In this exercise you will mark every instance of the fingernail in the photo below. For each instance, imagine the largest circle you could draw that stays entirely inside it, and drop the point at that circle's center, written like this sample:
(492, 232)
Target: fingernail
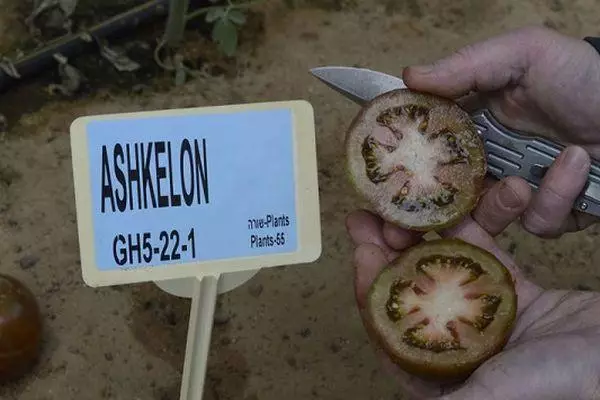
(575, 158)
(508, 197)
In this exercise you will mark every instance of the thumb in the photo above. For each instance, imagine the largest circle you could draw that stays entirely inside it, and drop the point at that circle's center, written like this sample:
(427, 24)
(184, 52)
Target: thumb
(486, 66)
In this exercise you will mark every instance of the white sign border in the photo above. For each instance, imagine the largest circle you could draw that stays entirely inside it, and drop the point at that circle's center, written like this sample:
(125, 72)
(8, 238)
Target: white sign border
(307, 200)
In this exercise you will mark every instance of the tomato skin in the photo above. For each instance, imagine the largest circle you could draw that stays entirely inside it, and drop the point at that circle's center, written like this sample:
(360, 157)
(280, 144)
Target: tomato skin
(423, 363)
(445, 115)
(20, 329)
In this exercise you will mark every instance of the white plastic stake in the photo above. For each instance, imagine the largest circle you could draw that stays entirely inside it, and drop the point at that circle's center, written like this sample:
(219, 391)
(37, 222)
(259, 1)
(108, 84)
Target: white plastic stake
(199, 336)
(184, 198)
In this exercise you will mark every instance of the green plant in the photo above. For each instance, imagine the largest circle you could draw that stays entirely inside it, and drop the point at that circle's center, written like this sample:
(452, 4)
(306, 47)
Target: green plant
(226, 19)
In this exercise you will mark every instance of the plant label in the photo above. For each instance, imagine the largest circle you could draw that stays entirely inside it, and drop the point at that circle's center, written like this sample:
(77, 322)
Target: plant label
(194, 192)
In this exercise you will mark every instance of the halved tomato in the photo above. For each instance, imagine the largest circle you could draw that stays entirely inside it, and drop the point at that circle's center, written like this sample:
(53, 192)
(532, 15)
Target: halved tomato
(417, 158)
(442, 308)
(20, 329)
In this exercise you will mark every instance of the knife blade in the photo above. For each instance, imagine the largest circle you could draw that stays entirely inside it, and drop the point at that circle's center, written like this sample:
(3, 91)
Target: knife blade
(509, 152)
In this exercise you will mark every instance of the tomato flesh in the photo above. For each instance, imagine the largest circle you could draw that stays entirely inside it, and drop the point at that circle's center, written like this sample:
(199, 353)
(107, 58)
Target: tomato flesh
(417, 158)
(442, 308)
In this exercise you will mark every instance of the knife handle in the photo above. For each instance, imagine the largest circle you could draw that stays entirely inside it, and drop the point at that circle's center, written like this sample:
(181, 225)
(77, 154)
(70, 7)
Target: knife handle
(512, 153)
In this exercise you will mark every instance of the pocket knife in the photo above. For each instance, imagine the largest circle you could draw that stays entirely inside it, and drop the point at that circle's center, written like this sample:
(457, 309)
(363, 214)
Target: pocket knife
(509, 152)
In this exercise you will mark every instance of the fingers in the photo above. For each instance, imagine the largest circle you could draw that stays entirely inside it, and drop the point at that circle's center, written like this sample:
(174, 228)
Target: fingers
(549, 212)
(484, 66)
(503, 203)
(369, 260)
(399, 239)
(471, 231)
(367, 228)
(376, 244)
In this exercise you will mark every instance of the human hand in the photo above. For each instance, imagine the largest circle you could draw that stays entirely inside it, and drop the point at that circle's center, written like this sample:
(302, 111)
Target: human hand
(554, 350)
(539, 81)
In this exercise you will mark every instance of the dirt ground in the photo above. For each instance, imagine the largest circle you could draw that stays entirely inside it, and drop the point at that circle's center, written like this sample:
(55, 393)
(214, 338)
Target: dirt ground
(290, 331)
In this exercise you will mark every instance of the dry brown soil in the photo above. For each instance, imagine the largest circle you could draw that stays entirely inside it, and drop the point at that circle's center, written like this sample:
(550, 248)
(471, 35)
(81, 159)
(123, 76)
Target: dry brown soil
(291, 332)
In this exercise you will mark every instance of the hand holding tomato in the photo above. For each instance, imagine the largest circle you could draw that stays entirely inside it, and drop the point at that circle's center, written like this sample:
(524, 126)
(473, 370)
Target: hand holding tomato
(535, 80)
(554, 350)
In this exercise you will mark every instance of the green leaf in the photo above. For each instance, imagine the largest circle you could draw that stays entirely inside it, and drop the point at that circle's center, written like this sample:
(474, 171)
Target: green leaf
(225, 34)
(214, 14)
(237, 17)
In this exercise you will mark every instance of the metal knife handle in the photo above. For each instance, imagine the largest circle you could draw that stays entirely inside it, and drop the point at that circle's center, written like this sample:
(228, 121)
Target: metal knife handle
(511, 153)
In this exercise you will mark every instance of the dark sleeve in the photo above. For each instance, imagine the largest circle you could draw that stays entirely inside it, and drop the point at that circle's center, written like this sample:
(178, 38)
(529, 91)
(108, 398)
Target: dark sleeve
(594, 41)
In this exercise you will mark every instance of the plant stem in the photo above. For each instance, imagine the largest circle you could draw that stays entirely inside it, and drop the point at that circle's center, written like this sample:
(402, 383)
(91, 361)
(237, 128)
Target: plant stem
(204, 10)
(176, 22)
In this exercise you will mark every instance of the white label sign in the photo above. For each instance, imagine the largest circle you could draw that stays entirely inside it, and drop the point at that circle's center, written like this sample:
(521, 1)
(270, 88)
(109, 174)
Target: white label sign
(179, 193)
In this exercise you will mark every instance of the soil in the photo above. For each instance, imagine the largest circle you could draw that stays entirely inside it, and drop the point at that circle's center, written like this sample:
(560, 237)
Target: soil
(291, 331)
